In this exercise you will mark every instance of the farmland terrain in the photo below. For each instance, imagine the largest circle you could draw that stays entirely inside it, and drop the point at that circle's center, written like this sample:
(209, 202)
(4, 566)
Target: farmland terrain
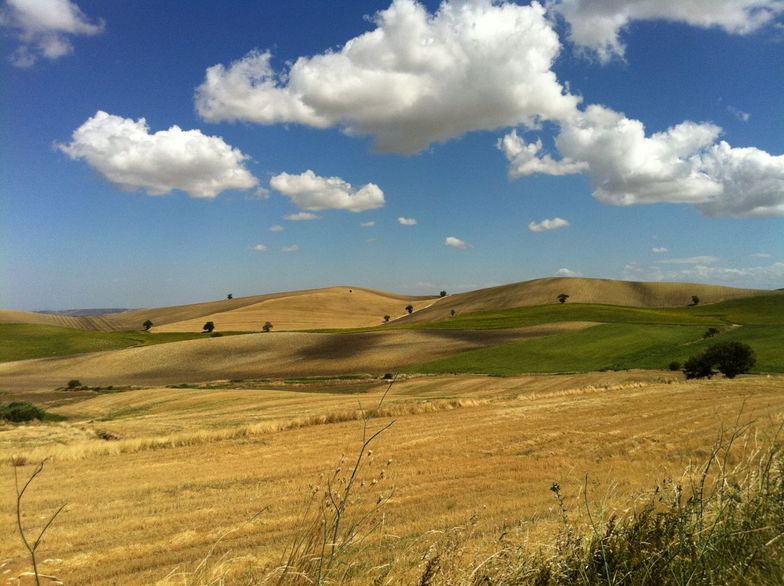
(173, 439)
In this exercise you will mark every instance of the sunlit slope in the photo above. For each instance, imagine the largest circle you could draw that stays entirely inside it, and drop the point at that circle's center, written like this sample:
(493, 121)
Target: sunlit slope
(603, 291)
(276, 354)
(335, 307)
(307, 309)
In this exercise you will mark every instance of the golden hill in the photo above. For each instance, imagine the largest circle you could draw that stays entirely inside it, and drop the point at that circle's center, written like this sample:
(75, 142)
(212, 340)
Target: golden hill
(336, 307)
(353, 307)
(580, 290)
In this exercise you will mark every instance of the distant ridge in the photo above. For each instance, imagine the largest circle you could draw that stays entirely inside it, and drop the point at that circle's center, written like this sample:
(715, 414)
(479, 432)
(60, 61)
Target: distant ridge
(82, 312)
(352, 307)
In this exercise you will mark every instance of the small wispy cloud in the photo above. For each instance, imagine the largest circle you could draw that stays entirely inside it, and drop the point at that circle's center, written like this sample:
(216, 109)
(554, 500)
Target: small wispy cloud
(691, 260)
(406, 221)
(277, 228)
(564, 272)
(761, 255)
(739, 114)
(291, 248)
(369, 224)
(262, 192)
(260, 248)
(301, 216)
(456, 242)
(548, 224)
(660, 249)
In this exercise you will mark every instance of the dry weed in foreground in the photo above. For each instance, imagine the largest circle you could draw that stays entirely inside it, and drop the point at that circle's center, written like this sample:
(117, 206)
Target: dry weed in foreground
(729, 530)
(32, 548)
(322, 551)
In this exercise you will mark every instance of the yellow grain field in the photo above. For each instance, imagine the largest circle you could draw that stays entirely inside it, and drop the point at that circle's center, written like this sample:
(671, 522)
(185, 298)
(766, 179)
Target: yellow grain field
(158, 478)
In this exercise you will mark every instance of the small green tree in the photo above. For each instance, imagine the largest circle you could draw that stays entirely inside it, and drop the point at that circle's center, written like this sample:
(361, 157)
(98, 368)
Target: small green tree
(208, 327)
(442, 294)
(732, 358)
(694, 300)
(698, 366)
(229, 296)
(410, 308)
(562, 297)
(147, 325)
(74, 384)
(710, 332)
(386, 319)
(452, 312)
(266, 327)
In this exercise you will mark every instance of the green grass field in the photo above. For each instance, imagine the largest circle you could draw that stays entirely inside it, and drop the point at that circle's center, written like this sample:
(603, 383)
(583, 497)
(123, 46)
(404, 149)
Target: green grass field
(764, 310)
(609, 347)
(24, 341)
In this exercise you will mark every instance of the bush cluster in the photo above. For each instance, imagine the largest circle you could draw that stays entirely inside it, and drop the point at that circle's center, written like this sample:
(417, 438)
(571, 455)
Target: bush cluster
(21, 411)
(729, 358)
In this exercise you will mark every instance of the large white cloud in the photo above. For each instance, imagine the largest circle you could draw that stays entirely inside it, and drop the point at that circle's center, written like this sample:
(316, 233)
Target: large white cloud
(43, 28)
(684, 164)
(310, 192)
(597, 24)
(129, 156)
(415, 79)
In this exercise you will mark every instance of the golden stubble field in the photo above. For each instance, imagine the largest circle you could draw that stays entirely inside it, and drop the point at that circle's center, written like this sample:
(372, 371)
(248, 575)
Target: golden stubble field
(189, 466)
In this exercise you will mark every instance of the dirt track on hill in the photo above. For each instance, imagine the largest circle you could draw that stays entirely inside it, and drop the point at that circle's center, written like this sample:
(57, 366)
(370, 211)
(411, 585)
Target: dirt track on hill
(282, 354)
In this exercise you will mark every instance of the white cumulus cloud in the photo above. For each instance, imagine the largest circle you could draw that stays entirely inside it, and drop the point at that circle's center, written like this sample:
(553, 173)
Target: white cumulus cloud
(596, 25)
(415, 79)
(310, 192)
(260, 248)
(684, 164)
(44, 27)
(301, 216)
(129, 156)
(455, 242)
(524, 158)
(406, 221)
(548, 224)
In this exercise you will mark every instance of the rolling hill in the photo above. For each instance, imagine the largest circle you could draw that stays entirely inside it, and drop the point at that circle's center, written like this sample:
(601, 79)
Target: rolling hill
(580, 290)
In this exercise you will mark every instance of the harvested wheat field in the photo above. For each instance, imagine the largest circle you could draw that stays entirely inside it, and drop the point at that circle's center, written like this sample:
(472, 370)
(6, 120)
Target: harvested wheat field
(336, 307)
(273, 354)
(158, 480)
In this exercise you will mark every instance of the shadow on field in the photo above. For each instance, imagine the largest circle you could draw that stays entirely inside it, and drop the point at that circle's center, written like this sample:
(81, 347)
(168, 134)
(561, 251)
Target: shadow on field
(339, 347)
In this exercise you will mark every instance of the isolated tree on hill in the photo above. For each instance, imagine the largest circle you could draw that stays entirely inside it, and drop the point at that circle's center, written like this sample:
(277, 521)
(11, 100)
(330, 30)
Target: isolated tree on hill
(229, 296)
(410, 308)
(442, 294)
(562, 297)
(147, 325)
(386, 318)
(452, 312)
(208, 327)
(267, 326)
(694, 300)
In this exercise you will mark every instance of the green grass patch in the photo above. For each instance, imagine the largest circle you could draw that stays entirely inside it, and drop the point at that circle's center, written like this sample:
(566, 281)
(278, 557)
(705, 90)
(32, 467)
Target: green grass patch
(25, 341)
(608, 347)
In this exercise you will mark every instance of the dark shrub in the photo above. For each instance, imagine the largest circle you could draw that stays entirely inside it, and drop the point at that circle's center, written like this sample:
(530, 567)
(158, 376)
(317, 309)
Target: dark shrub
(710, 332)
(74, 384)
(729, 358)
(675, 365)
(19, 411)
(208, 327)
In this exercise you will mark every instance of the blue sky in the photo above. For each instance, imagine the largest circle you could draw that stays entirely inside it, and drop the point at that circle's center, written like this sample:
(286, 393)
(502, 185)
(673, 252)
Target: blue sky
(610, 140)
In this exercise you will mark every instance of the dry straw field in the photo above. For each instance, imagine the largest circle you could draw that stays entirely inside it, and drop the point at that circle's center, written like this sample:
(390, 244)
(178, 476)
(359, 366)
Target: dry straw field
(156, 479)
